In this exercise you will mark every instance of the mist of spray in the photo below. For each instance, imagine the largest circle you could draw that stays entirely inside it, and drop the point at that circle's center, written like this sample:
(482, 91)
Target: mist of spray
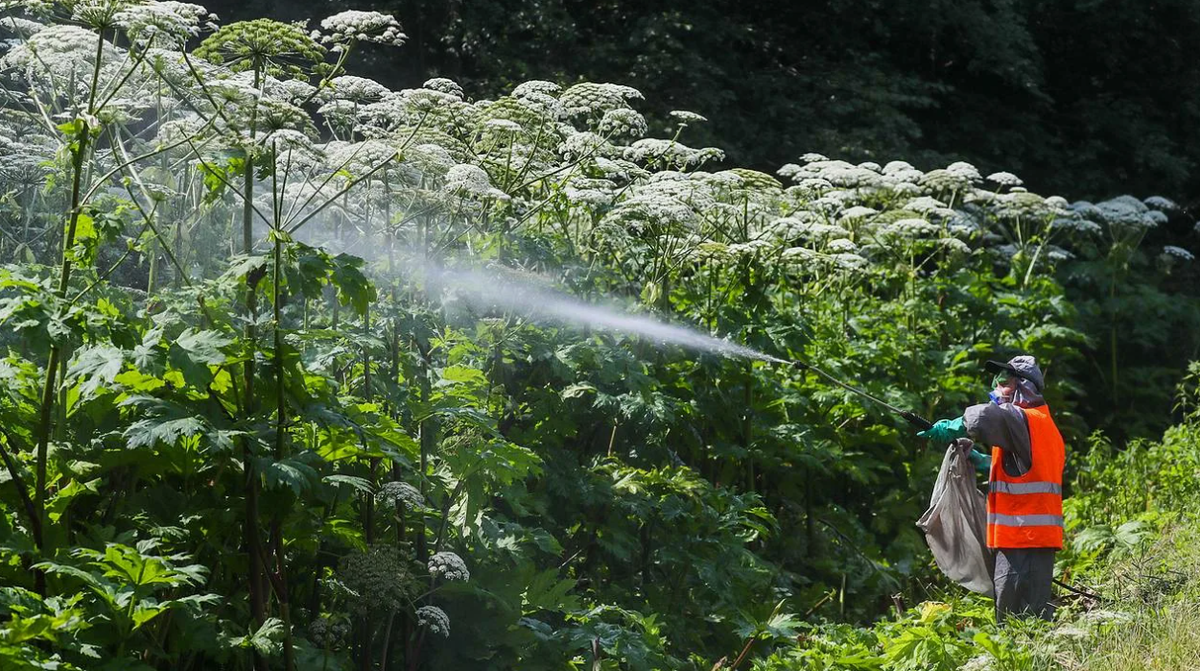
(510, 291)
(534, 297)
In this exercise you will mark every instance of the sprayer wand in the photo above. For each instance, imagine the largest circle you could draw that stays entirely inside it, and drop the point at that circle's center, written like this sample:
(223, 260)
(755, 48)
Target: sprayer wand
(912, 417)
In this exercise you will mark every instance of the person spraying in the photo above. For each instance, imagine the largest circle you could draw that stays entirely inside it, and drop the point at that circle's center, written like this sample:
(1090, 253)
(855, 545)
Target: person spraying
(1025, 466)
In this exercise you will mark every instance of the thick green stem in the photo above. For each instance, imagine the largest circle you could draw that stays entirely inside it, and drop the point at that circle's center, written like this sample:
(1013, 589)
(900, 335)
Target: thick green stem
(46, 412)
(258, 601)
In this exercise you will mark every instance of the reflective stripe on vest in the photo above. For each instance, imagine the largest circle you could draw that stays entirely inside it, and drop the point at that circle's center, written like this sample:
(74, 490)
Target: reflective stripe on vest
(1026, 520)
(1026, 487)
(1025, 511)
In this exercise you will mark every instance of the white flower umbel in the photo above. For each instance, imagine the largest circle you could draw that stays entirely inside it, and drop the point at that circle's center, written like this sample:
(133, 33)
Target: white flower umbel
(21, 26)
(1178, 252)
(429, 158)
(59, 57)
(812, 187)
(430, 100)
(536, 86)
(851, 176)
(1005, 179)
(294, 91)
(954, 245)
(671, 153)
(841, 246)
(588, 98)
(393, 493)
(380, 119)
(792, 228)
(938, 181)
(1126, 211)
(358, 158)
(1077, 224)
(858, 212)
(749, 248)
(849, 261)
(359, 26)
(789, 170)
(1056, 253)
(686, 117)
(925, 205)
(340, 115)
(164, 23)
(502, 126)
(912, 228)
(449, 566)
(543, 104)
(623, 122)
(1161, 203)
(356, 89)
(964, 170)
(579, 145)
(652, 210)
(587, 191)
(618, 169)
(447, 86)
(434, 619)
(471, 180)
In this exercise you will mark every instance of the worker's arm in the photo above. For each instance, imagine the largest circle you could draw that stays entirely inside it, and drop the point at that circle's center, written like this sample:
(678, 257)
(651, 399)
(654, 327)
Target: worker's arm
(982, 462)
(1003, 426)
(945, 430)
(966, 446)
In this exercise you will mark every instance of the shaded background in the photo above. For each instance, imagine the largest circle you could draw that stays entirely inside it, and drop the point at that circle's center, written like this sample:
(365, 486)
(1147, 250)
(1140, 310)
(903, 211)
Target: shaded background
(1087, 98)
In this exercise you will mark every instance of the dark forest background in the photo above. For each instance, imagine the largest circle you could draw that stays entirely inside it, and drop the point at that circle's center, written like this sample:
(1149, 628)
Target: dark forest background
(1088, 98)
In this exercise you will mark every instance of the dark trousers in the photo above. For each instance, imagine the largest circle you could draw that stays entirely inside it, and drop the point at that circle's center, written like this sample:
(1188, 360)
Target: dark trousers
(1023, 581)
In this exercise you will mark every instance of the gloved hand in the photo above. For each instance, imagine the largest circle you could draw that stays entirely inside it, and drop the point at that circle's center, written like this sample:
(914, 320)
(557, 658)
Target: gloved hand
(983, 462)
(945, 430)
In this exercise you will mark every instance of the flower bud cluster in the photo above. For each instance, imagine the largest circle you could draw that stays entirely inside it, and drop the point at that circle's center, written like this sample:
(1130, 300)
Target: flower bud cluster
(376, 580)
(448, 566)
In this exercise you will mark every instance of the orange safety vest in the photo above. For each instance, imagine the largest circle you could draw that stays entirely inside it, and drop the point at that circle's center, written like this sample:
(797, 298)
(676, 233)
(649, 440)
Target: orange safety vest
(1026, 512)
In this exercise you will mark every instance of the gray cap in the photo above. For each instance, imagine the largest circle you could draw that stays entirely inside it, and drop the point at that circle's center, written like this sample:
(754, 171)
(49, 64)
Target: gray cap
(1022, 366)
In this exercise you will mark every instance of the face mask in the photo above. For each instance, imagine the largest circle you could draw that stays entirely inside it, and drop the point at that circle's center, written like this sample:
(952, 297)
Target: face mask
(998, 394)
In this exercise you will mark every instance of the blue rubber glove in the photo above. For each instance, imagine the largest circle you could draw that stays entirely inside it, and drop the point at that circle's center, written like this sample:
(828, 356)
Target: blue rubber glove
(983, 462)
(945, 430)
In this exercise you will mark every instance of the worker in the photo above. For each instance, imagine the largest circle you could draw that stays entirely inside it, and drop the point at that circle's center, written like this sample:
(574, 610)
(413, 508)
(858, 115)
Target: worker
(1024, 503)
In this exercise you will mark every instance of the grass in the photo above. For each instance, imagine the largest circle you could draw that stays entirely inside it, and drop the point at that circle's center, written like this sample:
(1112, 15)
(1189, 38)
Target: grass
(1154, 620)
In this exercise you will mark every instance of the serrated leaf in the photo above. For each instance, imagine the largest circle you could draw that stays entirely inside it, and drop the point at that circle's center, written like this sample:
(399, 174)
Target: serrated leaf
(288, 473)
(96, 365)
(149, 432)
(143, 614)
(361, 484)
(194, 351)
(268, 639)
(578, 389)
(547, 592)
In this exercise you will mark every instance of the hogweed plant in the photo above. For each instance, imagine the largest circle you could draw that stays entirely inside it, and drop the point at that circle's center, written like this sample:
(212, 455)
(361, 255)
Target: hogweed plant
(233, 364)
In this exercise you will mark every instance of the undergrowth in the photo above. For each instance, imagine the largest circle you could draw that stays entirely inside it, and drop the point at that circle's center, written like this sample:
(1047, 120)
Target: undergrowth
(1136, 551)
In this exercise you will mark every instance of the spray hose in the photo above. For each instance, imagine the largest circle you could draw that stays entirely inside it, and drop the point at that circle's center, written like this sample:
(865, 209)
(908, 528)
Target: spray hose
(912, 417)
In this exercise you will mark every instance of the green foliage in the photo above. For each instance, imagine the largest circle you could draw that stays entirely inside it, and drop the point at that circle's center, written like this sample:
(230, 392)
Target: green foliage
(254, 415)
